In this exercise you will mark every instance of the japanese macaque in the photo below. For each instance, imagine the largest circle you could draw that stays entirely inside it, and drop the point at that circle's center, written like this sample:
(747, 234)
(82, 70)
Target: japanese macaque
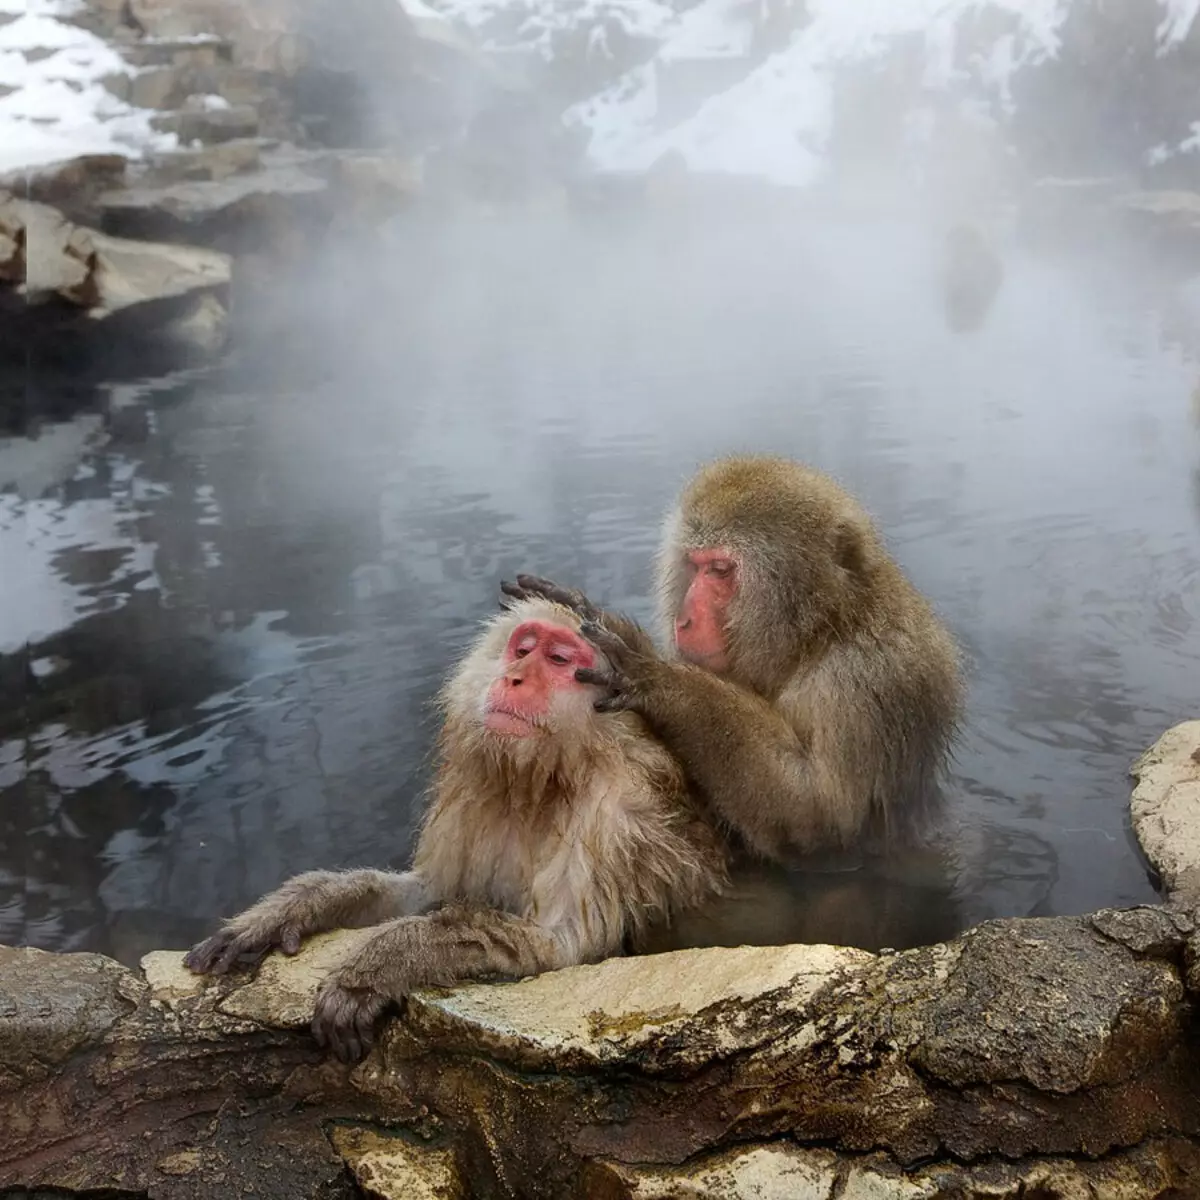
(971, 278)
(814, 695)
(556, 836)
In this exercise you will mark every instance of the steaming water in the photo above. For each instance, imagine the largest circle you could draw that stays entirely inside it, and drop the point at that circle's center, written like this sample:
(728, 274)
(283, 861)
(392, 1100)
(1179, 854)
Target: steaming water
(227, 599)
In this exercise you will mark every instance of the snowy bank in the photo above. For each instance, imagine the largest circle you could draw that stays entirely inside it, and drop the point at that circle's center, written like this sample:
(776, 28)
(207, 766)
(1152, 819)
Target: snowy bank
(776, 118)
(53, 101)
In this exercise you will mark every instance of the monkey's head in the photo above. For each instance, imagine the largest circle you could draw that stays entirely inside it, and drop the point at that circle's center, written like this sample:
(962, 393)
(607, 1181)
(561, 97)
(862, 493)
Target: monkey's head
(761, 560)
(517, 683)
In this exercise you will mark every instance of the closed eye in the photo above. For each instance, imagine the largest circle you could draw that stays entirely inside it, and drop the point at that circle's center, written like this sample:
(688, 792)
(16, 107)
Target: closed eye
(558, 657)
(721, 569)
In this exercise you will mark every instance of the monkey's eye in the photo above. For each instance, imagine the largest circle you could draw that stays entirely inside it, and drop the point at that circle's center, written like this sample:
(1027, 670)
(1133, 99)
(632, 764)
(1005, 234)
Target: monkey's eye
(721, 568)
(560, 657)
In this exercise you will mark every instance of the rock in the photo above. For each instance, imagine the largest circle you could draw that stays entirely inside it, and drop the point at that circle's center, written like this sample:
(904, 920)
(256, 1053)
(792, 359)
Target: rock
(201, 330)
(39, 255)
(53, 1006)
(619, 1012)
(284, 991)
(121, 273)
(199, 50)
(237, 213)
(210, 163)
(47, 253)
(801, 1174)
(1110, 1014)
(69, 185)
(168, 979)
(393, 1168)
(761, 1171)
(1165, 807)
(209, 125)
(983, 1067)
(84, 301)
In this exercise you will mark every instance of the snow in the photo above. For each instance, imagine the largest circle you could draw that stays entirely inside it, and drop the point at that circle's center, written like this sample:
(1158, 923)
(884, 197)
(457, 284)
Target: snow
(52, 103)
(777, 121)
(774, 122)
(1177, 22)
(534, 24)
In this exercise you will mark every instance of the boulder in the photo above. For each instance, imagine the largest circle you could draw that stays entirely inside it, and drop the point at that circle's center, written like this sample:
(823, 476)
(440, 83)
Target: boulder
(69, 290)
(1165, 807)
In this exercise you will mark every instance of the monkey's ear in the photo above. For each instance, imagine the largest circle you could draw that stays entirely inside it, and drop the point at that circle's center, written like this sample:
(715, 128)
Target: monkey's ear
(848, 550)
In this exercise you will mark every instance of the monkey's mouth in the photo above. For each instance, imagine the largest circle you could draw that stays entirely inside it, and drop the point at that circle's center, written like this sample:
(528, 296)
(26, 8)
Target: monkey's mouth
(510, 723)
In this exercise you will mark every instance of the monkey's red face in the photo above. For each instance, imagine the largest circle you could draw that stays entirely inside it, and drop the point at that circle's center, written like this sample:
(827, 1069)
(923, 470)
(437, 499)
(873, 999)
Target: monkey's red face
(701, 621)
(538, 681)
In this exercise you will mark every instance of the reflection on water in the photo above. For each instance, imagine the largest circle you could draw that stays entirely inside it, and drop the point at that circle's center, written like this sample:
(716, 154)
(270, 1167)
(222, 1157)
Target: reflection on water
(228, 598)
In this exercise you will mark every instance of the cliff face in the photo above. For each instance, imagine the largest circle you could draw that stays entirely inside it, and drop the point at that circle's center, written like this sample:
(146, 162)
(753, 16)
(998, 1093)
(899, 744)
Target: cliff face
(1051, 1058)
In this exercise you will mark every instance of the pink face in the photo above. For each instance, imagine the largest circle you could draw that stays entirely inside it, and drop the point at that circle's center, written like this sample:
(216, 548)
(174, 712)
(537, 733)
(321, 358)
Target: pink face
(540, 662)
(701, 620)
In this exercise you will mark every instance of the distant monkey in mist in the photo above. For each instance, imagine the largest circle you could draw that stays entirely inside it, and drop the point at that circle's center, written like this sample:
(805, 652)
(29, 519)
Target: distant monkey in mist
(971, 277)
(814, 695)
(555, 834)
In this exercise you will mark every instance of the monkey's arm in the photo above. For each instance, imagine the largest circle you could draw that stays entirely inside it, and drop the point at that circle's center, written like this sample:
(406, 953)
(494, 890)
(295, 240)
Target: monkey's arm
(310, 903)
(449, 946)
(747, 760)
(627, 629)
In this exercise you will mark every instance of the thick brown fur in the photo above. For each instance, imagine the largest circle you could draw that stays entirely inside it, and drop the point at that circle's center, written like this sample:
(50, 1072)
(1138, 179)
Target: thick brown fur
(535, 853)
(836, 714)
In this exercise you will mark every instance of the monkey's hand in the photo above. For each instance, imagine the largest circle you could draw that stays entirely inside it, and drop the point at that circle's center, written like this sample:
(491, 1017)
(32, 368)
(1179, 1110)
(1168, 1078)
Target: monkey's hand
(347, 1014)
(280, 921)
(529, 587)
(241, 945)
(630, 672)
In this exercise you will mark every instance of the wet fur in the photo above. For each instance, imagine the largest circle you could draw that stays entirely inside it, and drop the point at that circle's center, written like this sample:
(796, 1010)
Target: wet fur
(535, 853)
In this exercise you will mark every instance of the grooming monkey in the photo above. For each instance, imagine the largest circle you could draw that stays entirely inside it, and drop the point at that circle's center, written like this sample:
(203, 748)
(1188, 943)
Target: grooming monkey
(814, 694)
(555, 834)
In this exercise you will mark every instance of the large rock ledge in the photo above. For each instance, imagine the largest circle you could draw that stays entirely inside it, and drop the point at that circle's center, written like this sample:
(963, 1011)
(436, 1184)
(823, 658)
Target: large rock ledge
(1050, 1058)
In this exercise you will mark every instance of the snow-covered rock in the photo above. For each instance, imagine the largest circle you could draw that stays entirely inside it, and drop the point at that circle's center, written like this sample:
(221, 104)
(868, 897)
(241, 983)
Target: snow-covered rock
(54, 104)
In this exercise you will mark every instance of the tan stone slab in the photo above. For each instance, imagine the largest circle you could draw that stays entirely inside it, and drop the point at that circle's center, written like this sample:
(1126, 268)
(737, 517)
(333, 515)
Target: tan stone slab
(631, 1006)
(1165, 807)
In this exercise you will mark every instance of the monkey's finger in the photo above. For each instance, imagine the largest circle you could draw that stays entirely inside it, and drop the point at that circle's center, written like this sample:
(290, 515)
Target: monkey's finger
(571, 598)
(346, 1043)
(364, 1025)
(611, 704)
(289, 943)
(592, 675)
(199, 959)
(320, 1025)
(230, 953)
(612, 645)
(512, 590)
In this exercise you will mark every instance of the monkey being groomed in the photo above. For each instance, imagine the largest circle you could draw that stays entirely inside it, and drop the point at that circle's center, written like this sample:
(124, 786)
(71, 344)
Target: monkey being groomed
(814, 694)
(556, 835)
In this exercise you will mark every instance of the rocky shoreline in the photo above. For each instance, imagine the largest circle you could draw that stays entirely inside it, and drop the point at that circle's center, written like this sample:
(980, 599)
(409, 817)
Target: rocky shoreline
(1042, 1057)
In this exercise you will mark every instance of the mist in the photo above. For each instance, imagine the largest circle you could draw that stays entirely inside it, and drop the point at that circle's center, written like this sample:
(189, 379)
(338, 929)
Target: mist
(636, 237)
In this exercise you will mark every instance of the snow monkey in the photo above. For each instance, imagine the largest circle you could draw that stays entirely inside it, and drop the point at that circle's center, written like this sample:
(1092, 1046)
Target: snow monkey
(814, 695)
(556, 835)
